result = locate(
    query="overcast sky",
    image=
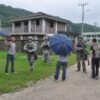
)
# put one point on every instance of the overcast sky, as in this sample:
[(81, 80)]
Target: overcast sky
[(67, 9)]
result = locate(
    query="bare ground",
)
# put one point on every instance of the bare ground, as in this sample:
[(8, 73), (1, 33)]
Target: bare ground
[(78, 86)]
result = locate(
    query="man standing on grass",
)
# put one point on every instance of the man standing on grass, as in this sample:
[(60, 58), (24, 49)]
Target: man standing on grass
[(95, 59), (80, 53), (30, 47), (10, 54)]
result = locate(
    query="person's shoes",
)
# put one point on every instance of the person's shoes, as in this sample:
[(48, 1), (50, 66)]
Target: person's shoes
[(77, 70), (63, 79), (93, 77), (96, 77), (56, 78), (84, 71), (31, 69), (7, 73)]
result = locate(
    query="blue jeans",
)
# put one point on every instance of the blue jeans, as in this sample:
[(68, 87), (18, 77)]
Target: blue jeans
[(58, 66), (10, 58), (95, 67)]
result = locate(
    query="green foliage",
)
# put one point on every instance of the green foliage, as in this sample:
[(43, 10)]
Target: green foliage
[(87, 28), (14, 82), (7, 13)]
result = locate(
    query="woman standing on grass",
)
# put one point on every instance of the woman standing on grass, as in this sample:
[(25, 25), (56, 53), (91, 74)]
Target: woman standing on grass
[(11, 45)]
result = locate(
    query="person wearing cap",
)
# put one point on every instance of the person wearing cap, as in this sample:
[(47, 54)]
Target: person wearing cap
[(80, 54), (30, 47), (46, 50), (11, 51)]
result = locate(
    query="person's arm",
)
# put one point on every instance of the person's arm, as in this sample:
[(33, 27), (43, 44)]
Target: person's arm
[(78, 48), (25, 47), (42, 44), (34, 49), (7, 43)]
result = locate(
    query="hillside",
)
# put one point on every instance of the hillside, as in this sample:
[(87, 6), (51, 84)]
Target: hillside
[(76, 27), (8, 12)]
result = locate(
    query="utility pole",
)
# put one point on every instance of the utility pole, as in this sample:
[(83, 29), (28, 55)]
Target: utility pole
[(95, 25), (82, 27)]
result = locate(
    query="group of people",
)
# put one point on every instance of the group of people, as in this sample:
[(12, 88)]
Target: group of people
[(81, 55), (30, 48)]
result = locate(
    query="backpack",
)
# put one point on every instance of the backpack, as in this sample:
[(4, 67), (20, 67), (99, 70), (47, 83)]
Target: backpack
[(96, 49)]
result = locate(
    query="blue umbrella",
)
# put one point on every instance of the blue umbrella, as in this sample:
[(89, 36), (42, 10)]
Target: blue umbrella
[(4, 34), (60, 44)]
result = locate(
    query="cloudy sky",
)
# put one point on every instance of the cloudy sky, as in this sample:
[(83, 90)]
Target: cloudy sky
[(67, 9)]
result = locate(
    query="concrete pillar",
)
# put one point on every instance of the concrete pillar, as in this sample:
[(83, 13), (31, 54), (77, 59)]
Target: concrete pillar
[(65, 27), (29, 26), (21, 37), (13, 28), (22, 27), (56, 27), (43, 26)]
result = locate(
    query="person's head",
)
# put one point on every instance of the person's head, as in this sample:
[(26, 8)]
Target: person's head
[(30, 39), (94, 40), (12, 38), (80, 39)]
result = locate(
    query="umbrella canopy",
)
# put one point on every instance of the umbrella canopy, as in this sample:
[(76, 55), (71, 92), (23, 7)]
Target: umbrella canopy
[(60, 44), (4, 34)]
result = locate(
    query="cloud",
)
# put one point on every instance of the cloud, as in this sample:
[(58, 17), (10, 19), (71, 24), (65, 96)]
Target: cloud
[(68, 9)]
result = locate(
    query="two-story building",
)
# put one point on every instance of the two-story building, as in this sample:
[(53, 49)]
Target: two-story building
[(37, 25)]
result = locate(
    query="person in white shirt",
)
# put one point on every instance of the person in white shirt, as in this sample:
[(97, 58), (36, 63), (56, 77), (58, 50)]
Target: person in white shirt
[(11, 45)]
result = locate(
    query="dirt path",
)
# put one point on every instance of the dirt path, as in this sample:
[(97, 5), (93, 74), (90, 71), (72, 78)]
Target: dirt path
[(78, 86)]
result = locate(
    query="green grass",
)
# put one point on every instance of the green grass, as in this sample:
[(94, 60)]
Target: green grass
[(14, 82)]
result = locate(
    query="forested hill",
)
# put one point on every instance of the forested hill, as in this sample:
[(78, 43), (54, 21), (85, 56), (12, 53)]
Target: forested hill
[(76, 27), (8, 12)]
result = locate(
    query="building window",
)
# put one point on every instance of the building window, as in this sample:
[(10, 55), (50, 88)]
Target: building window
[(37, 22), (17, 24), (25, 23), (51, 24)]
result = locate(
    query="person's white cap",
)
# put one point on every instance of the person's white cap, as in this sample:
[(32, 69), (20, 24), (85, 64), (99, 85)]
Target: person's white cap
[(30, 38)]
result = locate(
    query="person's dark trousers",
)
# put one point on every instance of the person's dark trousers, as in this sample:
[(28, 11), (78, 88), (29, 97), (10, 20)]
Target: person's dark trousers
[(95, 67), (58, 66), (10, 58)]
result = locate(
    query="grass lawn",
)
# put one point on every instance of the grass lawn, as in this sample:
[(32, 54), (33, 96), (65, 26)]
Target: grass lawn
[(14, 82)]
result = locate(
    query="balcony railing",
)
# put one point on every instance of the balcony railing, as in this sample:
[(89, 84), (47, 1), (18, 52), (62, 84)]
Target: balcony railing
[(36, 29), (6, 29)]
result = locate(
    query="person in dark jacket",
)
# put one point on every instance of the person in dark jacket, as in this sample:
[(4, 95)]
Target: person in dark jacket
[(95, 59)]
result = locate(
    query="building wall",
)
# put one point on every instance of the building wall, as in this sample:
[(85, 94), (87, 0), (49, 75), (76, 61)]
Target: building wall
[(61, 26), (89, 36), (49, 28)]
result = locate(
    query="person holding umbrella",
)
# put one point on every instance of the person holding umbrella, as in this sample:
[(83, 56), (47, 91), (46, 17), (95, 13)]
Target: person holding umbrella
[(62, 46)]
